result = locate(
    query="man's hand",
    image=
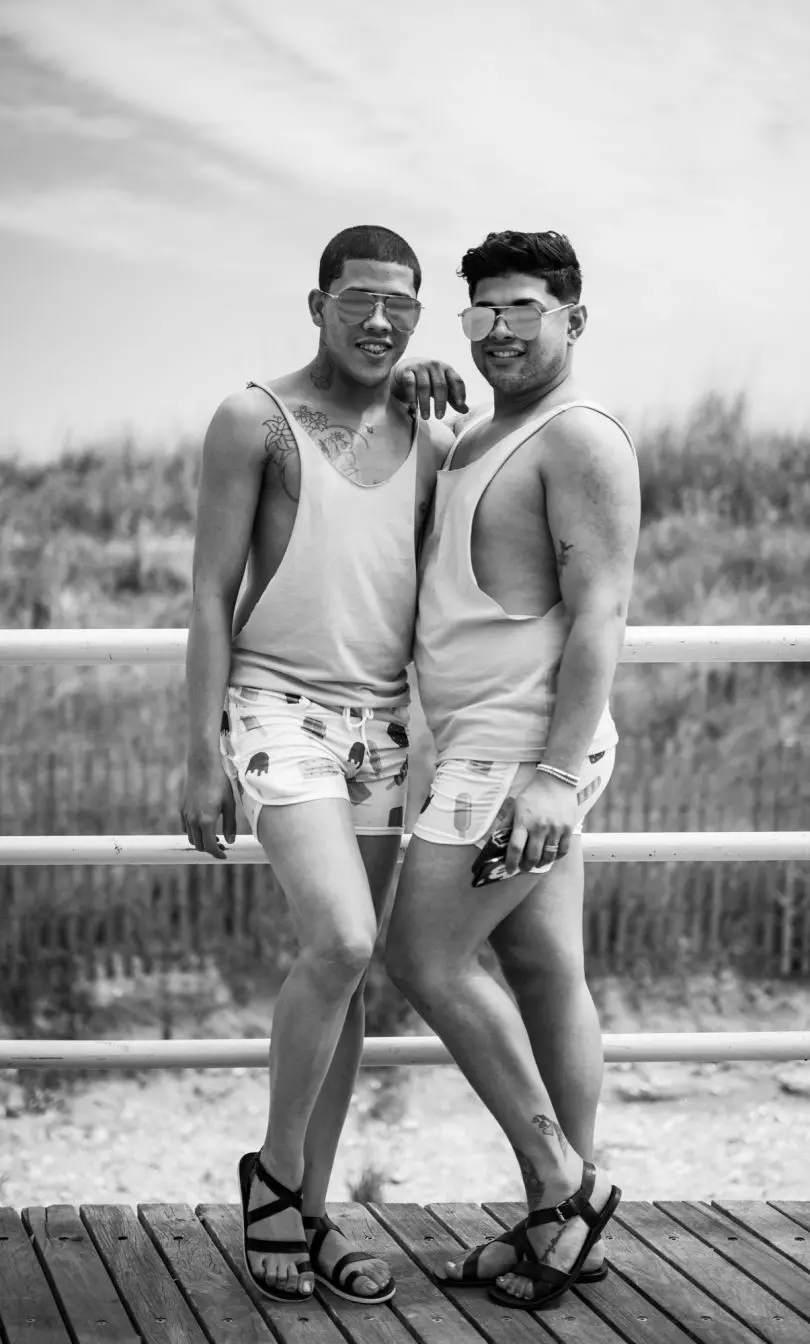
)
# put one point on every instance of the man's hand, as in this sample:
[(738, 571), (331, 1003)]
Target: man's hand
[(208, 796), (545, 816), (416, 381)]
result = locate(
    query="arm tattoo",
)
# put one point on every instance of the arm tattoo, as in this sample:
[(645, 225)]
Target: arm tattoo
[(562, 553), (282, 450), (323, 371), (550, 1129), (535, 1188)]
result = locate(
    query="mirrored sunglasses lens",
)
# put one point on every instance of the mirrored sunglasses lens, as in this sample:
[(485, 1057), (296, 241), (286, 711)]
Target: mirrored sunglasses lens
[(476, 323), (523, 322), (403, 314), (354, 308)]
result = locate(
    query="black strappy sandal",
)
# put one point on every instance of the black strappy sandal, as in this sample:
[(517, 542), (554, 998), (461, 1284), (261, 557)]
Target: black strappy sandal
[(558, 1281), (333, 1279), (252, 1168), (515, 1236)]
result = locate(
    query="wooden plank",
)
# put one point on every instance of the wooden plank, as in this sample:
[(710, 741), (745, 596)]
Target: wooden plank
[(723, 1282), (765, 1266), (769, 1224), (705, 1320), (216, 1296), (620, 1306), (79, 1282), (798, 1210), (154, 1302), (363, 1324), (28, 1313), (291, 1322), (447, 1315)]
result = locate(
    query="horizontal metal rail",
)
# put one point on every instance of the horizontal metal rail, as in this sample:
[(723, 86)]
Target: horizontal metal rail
[(394, 1051), (642, 644), (630, 847)]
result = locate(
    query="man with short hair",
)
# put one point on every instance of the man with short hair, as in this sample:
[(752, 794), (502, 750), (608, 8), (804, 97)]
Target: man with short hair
[(319, 485), (525, 581)]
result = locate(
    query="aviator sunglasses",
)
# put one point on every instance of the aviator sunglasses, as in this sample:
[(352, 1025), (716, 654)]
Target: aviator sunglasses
[(355, 306), (523, 319)]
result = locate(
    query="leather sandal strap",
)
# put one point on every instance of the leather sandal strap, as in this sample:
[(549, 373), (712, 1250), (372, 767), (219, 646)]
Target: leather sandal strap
[(261, 1244), (577, 1205), (287, 1199), (539, 1273), (350, 1258)]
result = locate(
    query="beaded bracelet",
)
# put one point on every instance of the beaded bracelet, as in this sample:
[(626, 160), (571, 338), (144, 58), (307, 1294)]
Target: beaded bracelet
[(562, 775)]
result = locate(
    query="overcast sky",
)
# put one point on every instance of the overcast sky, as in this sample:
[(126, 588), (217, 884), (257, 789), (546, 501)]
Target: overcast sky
[(170, 171)]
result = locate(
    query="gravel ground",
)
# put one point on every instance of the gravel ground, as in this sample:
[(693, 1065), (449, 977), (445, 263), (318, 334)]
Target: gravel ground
[(675, 1131)]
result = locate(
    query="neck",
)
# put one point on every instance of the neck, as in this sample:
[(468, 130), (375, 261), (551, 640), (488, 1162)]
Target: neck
[(515, 403), (331, 383)]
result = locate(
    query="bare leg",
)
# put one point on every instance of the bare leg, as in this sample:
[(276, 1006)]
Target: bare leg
[(539, 946), (438, 925), (379, 854), (315, 856)]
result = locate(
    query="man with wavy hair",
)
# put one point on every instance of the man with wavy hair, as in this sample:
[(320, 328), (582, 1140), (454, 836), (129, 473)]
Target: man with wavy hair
[(525, 581)]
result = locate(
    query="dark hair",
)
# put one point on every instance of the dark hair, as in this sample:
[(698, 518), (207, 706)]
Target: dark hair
[(549, 255), (366, 242)]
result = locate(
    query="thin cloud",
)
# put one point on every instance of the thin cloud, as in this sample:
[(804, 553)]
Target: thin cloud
[(114, 221), (59, 119)]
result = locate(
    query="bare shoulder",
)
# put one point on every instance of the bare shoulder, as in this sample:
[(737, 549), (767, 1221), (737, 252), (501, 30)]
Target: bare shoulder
[(584, 444), (246, 427), (441, 438), (470, 417)]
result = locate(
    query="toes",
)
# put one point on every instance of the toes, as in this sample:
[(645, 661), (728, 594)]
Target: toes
[(366, 1286), (450, 1270), (306, 1283)]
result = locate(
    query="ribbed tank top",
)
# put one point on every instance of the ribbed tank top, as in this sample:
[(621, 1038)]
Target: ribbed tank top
[(487, 680), (335, 622)]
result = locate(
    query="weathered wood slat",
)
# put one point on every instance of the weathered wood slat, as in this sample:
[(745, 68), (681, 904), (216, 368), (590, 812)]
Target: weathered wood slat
[(28, 1313), (706, 1320), (724, 1282), (140, 1275), (769, 1224), (424, 1238), (618, 1305), (797, 1210), (217, 1297), (79, 1281), (292, 1322), (765, 1266), (363, 1324)]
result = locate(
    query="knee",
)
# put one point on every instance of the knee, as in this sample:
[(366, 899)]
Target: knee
[(415, 970), (338, 961), (530, 971)]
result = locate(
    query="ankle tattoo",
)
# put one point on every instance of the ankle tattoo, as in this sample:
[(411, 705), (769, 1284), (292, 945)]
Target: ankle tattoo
[(550, 1129), (535, 1187)]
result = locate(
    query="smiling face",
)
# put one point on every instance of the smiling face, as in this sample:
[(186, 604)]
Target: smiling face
[(515, 366), (365, 352)]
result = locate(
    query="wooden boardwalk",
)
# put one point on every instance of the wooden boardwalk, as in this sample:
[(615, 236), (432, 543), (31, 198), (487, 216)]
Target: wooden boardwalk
[(167, 1275)]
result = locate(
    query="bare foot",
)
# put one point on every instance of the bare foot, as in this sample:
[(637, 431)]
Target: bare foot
[(558, 1244), (277, 1269), (373, 1275)]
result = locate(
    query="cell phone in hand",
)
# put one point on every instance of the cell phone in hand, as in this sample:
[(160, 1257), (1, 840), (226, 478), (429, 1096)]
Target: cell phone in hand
[(490, 865)]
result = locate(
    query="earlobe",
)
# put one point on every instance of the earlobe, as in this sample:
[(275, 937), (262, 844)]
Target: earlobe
[(315, 304)]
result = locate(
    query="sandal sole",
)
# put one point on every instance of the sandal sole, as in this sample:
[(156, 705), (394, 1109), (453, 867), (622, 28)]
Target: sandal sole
[(370, 1301)]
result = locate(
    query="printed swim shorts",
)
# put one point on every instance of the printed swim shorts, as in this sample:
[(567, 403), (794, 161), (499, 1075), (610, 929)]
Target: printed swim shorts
[(279, 749), (466, 797)]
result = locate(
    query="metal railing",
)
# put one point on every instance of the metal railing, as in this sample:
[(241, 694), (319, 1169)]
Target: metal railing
[(643, 644)]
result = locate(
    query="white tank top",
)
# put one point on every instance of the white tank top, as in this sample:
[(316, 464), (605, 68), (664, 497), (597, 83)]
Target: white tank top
[(487, 680), (335, 622)]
